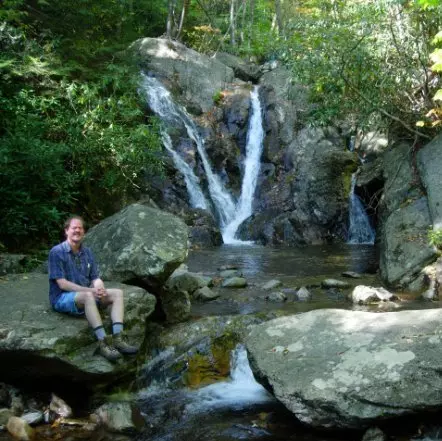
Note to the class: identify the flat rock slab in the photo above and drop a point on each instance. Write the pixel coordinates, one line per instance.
(350, 369)
(37, 342)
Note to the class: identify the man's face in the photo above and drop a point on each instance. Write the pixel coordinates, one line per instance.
(75, 231)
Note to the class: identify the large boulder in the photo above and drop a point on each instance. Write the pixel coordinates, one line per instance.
(242, 69)
(308, 202)
(405, 247)
(139, 244)
(404, 221)
(41, 345)
(197, 76)
(350, 369)
(430, 166)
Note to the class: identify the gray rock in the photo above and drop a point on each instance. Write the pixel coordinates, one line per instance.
(430, 166)
(245, 71)
(199, 76)
(118, 417)
(12, 263)
(333, 283)
(366, 294)
(187, 281)
(5, 414)
(352, 368)
(205, 294)
(351, 275)
(276, 296)
(271, 284)
(20, 429)
(33, 418)
(303, 294)
(234, 282)
(225, 274)
(374, 434)
(28, 326)
(176, 305)
(139, 243)
(405, 248)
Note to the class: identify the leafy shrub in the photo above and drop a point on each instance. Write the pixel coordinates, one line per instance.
(435, 238)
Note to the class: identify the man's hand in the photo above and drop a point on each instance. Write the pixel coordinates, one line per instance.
(99, 293)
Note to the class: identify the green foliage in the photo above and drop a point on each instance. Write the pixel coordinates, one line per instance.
(67, 144)
(435, 238)
(218, 97)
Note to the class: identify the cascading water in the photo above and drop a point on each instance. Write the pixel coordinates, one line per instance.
(252, 165)
(160, 101)
(197, 199)
(231, 215)
(360, 230)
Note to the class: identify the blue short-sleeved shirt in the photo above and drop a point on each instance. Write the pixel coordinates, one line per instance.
(79, 268)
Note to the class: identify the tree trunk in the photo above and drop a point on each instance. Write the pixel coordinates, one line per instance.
(232, 22)
(170, 19)
(278, 18)
(186, 4)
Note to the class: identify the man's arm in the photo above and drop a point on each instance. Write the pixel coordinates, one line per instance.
(65, 285)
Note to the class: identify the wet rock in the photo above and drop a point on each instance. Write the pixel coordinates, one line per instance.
(367, 294)
(33, 418)
(335, 294)
(19, 428)
(119, 417)
(272, 284)
(235, 282)
(276, 296)
(227, 267)
(5, 414)
(187, 281)
(303, 294)
(205, 294)
(374, 434)
(59, 407)
(225, 274)
(333, 283)
(351, 275)
(176, 305)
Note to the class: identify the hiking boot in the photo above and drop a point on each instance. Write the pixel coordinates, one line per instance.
(107, 351)
(119, 342)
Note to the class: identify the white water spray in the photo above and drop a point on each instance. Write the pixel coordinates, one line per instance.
(197, 199)
(252, 165)
(231, 215)
(160, 101)
(360, 230)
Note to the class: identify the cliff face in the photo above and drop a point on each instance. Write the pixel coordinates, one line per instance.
(302, 193)
(304, 180)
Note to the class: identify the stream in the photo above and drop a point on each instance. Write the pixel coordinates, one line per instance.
(239, 408)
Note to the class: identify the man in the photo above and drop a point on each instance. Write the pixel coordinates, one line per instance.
(76, 289)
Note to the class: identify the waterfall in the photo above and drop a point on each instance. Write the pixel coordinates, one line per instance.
(197, 199)
(360, 230)
(161, 102)
(255, 136)
(230, 214)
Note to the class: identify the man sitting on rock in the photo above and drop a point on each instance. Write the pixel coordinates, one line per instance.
(76, 289)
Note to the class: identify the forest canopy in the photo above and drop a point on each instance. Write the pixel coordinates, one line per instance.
(74, 135)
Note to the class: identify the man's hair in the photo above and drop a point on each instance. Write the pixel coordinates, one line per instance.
(68, 221)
